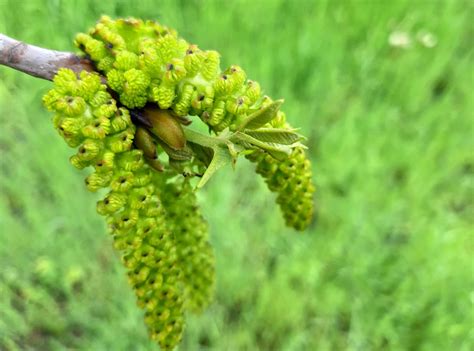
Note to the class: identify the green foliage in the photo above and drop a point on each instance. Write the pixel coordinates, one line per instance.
(386, 266)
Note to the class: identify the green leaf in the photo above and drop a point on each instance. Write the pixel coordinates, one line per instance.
(204, 140)
(278, 151)
(234, 150)
(180, 155)
(223, 151)
(261, 117)
(274, 135)
(221, 157)
(203, 153)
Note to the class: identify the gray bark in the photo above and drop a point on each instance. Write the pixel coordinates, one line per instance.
(39, 62)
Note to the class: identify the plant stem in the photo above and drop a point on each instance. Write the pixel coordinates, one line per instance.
(39, 62)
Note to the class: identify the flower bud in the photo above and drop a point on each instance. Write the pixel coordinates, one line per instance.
(166, 127)
(144, 141)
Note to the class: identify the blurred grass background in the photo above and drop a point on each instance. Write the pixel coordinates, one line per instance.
(382, 89)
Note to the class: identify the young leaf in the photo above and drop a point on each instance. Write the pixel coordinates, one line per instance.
(180, 155)
(204, 140)
(278, 151)
(234, 151)
(203, 153)
(223, 151)
(275, 135)
(221, 157)
(261, 117)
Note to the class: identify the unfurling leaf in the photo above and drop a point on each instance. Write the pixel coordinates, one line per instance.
(184, 154)
(221, 157)
(204, 154)
(261, 117)
(275, 135)
(279, 151)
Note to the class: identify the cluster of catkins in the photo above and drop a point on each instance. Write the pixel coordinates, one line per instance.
(149, 238)
(152, 211)
(146, 62)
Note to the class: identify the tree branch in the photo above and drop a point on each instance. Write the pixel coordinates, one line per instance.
(39, 62)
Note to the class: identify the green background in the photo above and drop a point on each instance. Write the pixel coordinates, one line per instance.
(387, 262)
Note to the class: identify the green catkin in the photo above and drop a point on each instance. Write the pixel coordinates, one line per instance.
(87, 117)
(195, 254)
(146, 62)
(291, 179)
(179, 76)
